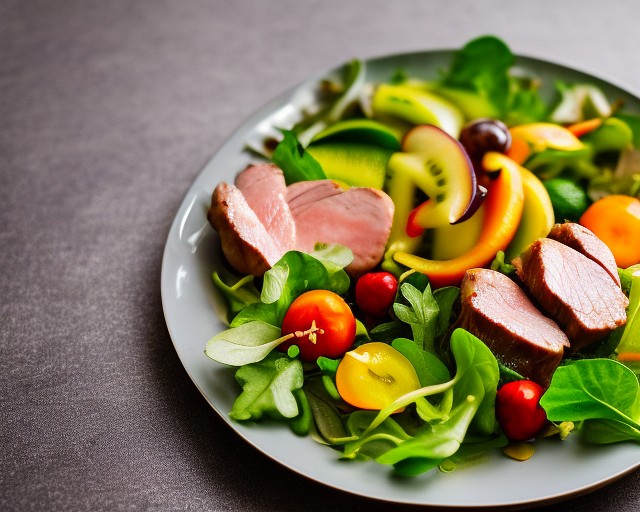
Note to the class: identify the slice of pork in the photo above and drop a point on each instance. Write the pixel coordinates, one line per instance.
(585, 242)
(302, 194)
(265, 191)
(496, 310)
(246, 244)
(359, 218)
(573, 290)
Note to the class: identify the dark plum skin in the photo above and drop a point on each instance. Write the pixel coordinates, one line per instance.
(476, 201)
(477, 138)
(483, 135)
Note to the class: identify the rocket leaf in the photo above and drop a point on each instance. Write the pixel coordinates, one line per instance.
(268, 389)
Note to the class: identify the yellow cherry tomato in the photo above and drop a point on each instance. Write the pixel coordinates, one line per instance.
(374, 375)
(615, 220)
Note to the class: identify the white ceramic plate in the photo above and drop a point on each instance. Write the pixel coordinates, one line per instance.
(194, 313)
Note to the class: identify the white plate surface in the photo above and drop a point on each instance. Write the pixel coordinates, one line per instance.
(194, 313)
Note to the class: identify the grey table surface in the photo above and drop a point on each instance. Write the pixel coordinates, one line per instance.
(108, 111)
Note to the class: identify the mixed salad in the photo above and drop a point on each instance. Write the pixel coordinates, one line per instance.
(478, 166)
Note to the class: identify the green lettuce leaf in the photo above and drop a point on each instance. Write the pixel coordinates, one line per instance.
(593, 390)
(482, 66)
(295, 273)
(471, 401)
(296, 163)
(480, 81)
(446, 298)
(429, 368)
(245, 344)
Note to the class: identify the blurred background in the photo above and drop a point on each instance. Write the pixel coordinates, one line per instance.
(108, 112)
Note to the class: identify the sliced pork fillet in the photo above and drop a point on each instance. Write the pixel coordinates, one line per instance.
(246, 244)
(265, 191)
(585, 242)
(302, 194)
(260, 218)
(572, 289)
(496, 310)
(359, 218)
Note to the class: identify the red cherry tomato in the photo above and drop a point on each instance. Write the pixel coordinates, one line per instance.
(322, 324)
(375, 292)
(518, 409)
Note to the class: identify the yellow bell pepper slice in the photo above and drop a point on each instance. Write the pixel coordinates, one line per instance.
(535, 137)
(537, 216)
